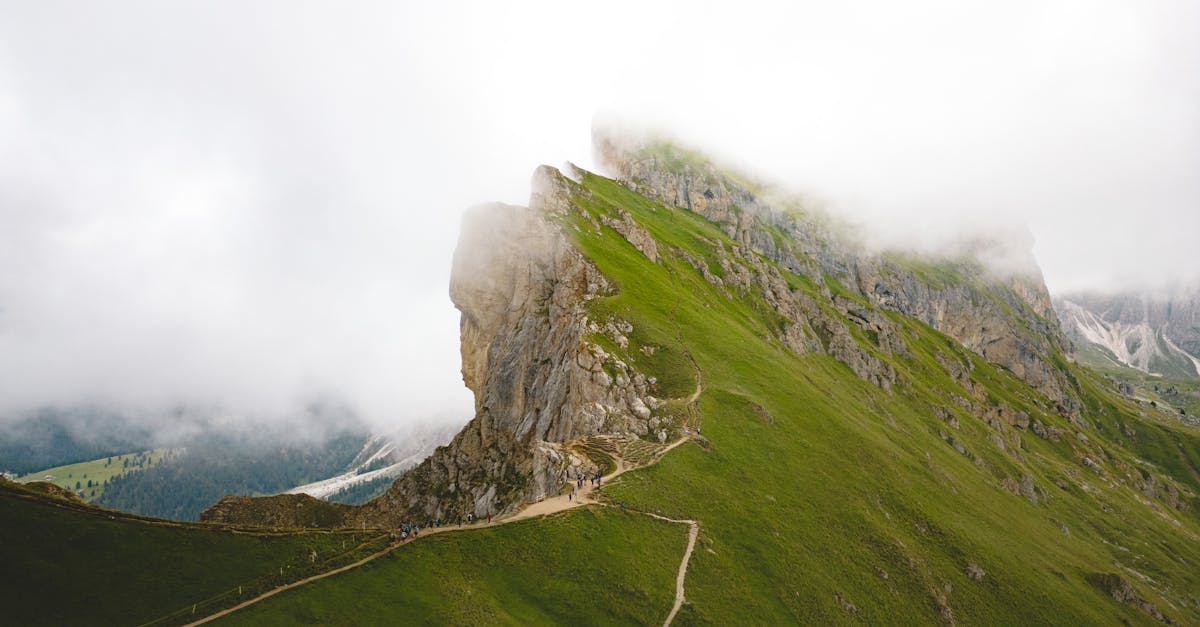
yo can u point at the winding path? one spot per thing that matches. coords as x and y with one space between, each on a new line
693 531
274 591
545 507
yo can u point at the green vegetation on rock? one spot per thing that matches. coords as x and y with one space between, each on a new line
854 464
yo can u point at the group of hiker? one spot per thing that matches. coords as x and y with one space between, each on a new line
593 480
407 530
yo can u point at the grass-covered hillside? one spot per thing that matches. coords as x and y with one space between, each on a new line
88 479
1179 397
67 563
907 480
958 494
593 566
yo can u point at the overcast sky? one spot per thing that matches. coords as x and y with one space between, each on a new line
255 204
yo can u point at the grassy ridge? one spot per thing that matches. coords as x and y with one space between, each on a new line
582 567
821 499
850 484
67 564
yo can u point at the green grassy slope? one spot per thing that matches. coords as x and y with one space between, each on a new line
846 483
66 563
1170 395
584 567
821 499
76 477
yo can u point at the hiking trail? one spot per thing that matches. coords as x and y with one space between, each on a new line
545 507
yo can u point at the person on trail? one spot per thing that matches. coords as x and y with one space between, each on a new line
489 518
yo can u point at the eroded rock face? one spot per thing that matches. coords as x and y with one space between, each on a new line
1007 318
1122 591
538 382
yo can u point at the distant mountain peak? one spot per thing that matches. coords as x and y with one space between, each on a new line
1157 333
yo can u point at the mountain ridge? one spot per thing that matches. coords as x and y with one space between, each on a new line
857 462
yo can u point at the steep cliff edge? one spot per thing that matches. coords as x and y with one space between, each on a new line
1004 314
522 289
886 437
548 367
527 354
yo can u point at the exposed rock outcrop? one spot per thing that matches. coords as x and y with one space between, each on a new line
1006 317
522 288
1122 591
541 381
538 381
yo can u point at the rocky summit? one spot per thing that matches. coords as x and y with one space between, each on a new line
852 434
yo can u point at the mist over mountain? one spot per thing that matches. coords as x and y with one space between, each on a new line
1153 331
672 342
268 222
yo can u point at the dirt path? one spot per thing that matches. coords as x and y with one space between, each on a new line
563 502
544 507
275 591
555 504
693 532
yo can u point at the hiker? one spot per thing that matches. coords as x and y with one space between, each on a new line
489 518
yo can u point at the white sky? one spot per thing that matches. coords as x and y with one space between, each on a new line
255 204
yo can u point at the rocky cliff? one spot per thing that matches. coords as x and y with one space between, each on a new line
538 381
546 372
1005 315
522 289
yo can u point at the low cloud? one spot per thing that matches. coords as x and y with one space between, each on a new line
252 209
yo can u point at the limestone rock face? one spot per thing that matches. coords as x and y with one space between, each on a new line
522 289
538 382
1006 317
541 381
